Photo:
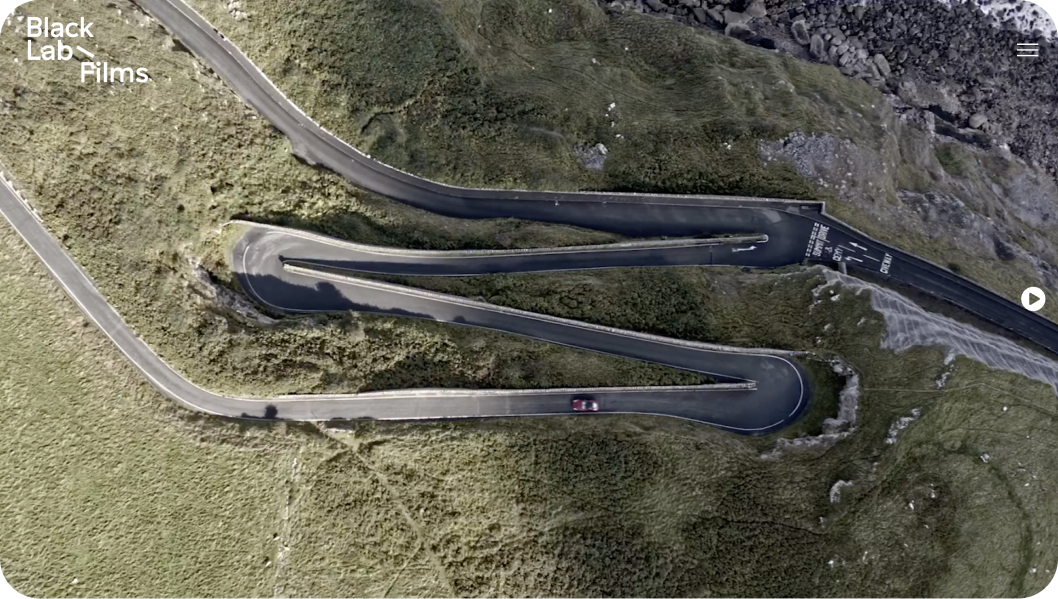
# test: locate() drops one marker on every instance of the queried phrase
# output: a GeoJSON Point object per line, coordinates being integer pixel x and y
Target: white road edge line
{"type": "Point", "coordinates": [298, 399]}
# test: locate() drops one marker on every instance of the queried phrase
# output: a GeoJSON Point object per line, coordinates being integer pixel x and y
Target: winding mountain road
{"type": "Point", "coordinates": [759, 393]}
{"type": "Point", "coordinates": [291, 271]}
{"type": "Point", "coordinates": [797, 231]}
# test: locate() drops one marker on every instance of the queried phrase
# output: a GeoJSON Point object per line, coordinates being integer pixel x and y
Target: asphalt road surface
{"type": "Point", "coordinates": [797, 231]}
{"type": "Point", "coordinates": [295, 272]}
{"type": "Point", "coordinates": [760, 393]}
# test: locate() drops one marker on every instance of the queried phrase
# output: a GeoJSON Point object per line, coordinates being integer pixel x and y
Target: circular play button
{"type": "Point", "coordinates": [1033, 299]}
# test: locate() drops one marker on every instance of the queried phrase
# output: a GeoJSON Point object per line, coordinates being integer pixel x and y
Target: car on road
{"type": "Point", "coordinates": [585, 404]}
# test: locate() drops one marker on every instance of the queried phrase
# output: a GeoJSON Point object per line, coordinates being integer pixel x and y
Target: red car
{"type": "Point", "coordinates": [583, 404]}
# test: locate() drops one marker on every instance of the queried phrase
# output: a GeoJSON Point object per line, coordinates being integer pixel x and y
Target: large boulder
{"type": "Point", "coordinates": [882, 64]}
{"type": "Point", "coordinates": [762, 41]}
{"type": "Point", "coordinates": [731, 16]}
{"type": "Point", "coordinates": [978, 120]}
{"type": "Point", "coordinates": [799, 31]}
{"type": "Point", "coordinates": [739, 31]}
{"type": "Point", "coordinates": [756, 9]}
{"type": "Point", "coordinates": [817, 48]}
{"type": "Point", "coordinates": [969, 136]}
{"type": "Point", "coordinates": [655, 5]}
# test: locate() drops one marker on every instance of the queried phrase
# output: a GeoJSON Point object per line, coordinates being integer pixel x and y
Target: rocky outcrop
{"type": "Point", "coordinates": [236, 11]}
{"type": "Point", "coordinates": [223, 300]}
{"type": "Point", "coordinates": [799, 31]}
{"type": "Point", "coordinates": [953, 48]}
{"type": "Point", "coordinates": [882, 64]}
{"type": "Point", "coordinates": [732, 17]}
{"type": "Point", "coordinates": [592, 157]}
{"type": "Point", "coordinates": [735, 18]}
{"type": "Point", "coordinates": [739, 31]}
{"type": "Point", "coordinates": [757, 9]}
{"type": "Point", "coordinates": [959, 52]}
{"type": "Point", "coordinates": [816, 48]}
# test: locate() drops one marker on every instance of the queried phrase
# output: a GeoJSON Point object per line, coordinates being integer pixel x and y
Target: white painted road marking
{"type": "Point", "coordinates": [886, 263]}
{"type": "Point", "coordinates": [817, 240]}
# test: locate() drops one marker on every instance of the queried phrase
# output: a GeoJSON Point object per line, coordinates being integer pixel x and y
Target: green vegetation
{"type": "Point", "coordinates": [138, 179]}
{"type": "Point", "coordinates": [685, 302]}
{"type": "Point", "coordinates": [132, 496]}
{"type": "Point", "coordinates": [109, 484]}
{"type": "Point", "coordinates": [648, 507]}
{"type": "Point", "coordinates": [826, 386]}
{"type": "Point", "coordinates": [953, 158]}
{"type": "Point", "coordinates": [106, 488]}
{"type": "Point", "coordinates": [499, 92]}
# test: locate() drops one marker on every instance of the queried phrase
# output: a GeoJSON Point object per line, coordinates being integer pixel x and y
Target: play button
{"type": "Point", "coordinates": [1033, 299]}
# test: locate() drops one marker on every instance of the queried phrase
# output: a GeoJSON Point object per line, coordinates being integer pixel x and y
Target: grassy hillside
{"type": "Point", "coordinates": [505, 93]}
{"type": "Point", "coordinates": [137, 180]}
{"type": "Point", "coordinates": [103, 481]}
{"type": "Point", "coordinates": [499, 92]}
{"type": "Point", "coordinates": [107, 484]}
{"type": "Point", "coordinates": [107, 488]}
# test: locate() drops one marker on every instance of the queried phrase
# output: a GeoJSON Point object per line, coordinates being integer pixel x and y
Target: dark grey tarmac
{"type": "Point", "coordinates": [791, 226]}
{"type": "Point", "coordinates": [292, 271]}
